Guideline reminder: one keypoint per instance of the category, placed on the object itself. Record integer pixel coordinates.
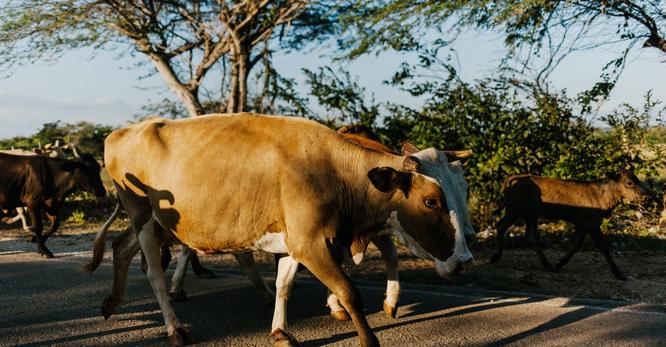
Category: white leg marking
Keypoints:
(390, 256)
(151, 249)
(358, 258)
(392, 293)
(178, 278)
(287, 267)
(333, 303)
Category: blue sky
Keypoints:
(101, 88)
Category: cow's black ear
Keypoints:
(387, 179)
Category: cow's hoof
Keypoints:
(108, 309)
(33, 239)
(205, 274)
(180, 296)
(283, 339)
(390, 310)
(180, 337)
(340, 316)
(47, 254)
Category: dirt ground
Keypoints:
(586, 276)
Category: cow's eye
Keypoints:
(630, 184)
(430, 203)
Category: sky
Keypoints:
(100, 87)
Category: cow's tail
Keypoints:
(100, 240)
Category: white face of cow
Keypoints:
(434, 166)
(450, 177)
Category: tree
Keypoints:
(533, 29)
(182, 39)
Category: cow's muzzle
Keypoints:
(453, 267)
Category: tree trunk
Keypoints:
(237, 99)
(656, 42)
(189, 97)
(242, 82)
(232, 98)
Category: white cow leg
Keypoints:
(390, 256)
(149, 241)
(21, 214)
(286, 273)
(246, 261)
(177, 293)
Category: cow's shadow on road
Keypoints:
(419, 311)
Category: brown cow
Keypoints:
(305, 195)
(53, 152)
(582, 203)
(41, 184)
(357, 134)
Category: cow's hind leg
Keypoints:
(579, 237)
(320, 262)
(149, 241)
(125, 246)
(246, 261)
(604, 248)
(532, 233)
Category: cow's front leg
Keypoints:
(246, 261)
(532, 234)
(286, 272)
(318, 259)
(149, 241)
(37, 228)
(390, 256)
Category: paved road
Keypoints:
(50, 302)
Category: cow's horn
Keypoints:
(408, 148)
(458, 155)
(76, 153)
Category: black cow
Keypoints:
(41, 184)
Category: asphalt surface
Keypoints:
(51, 302)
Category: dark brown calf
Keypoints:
(584, 204)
